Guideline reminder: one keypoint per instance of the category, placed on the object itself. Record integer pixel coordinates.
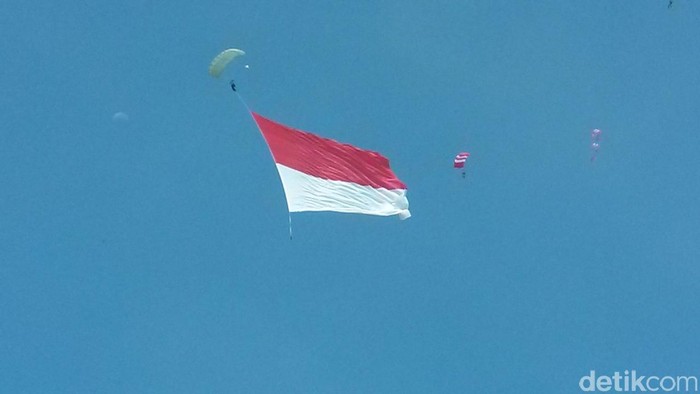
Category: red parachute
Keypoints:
(461, 161)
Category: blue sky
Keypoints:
(152, 255)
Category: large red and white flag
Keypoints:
(320, 174)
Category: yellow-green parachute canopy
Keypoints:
(221, 60)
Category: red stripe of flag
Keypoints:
(325, 158)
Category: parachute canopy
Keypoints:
(460, 159)
(221, 60)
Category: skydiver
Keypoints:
(670, 3)
(233, 85)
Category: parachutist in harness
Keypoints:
(233, 85)
(670, 3)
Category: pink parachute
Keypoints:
(596, 135)
(461, 161)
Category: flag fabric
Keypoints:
(460, 159)
(320, 174)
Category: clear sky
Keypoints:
(150, 254)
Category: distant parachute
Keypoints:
(120, 117)
(221, 60)
(596, 135)
(461, 161)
